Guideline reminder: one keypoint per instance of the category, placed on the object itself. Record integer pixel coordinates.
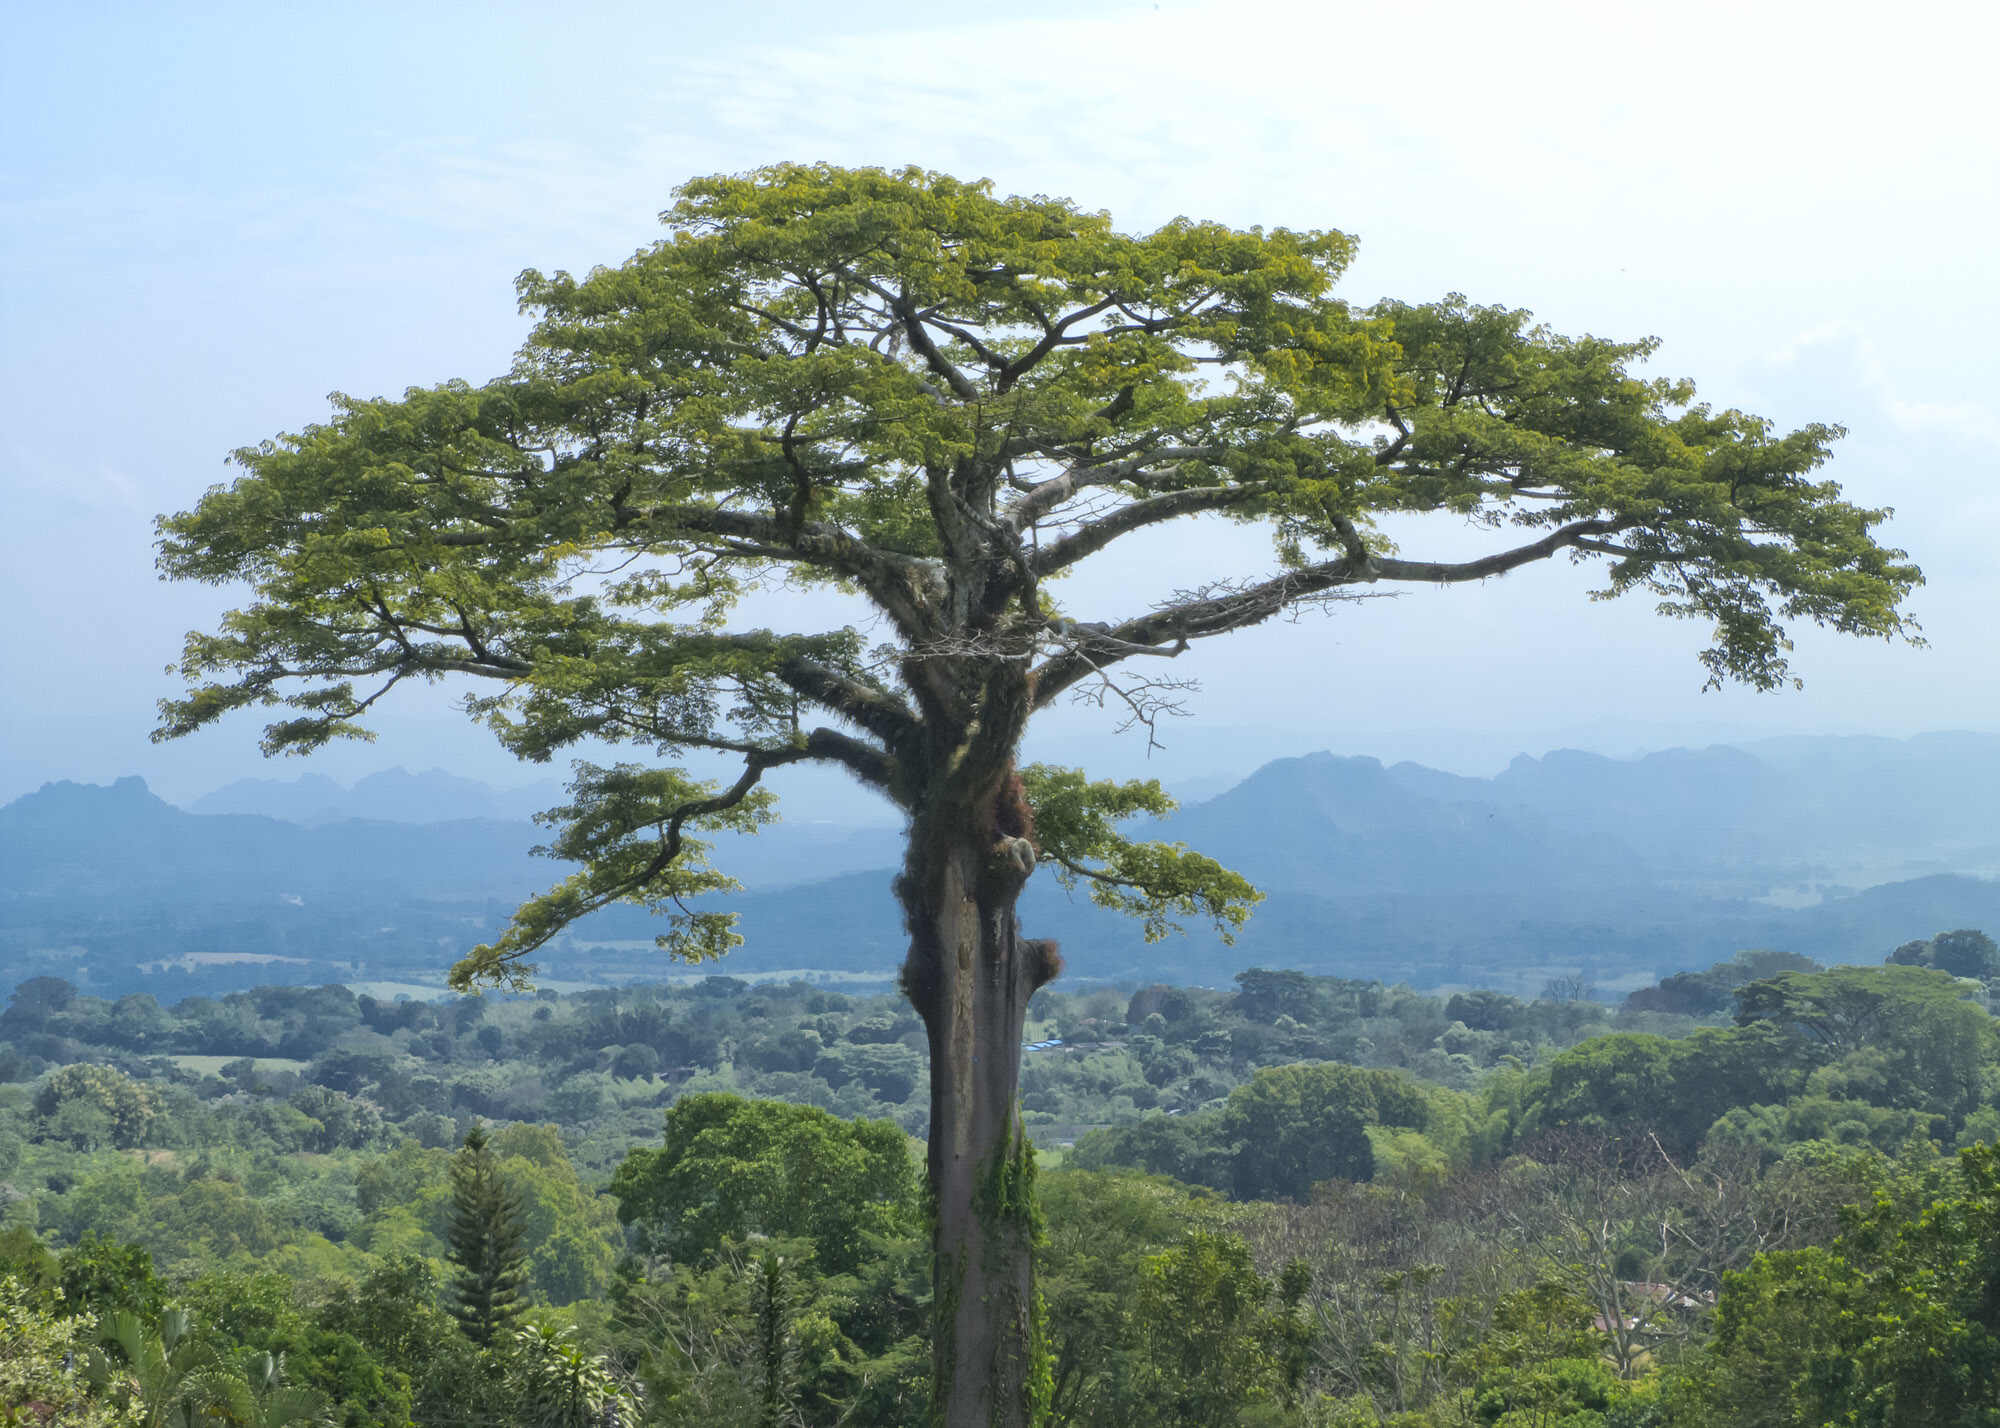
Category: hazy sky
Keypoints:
(212, 215)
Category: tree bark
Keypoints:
(970, 974)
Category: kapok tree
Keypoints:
(900, 387)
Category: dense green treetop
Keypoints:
(1966, 952)
(40, 1342)
(731, 1168)
(1896, 1323)
(94, 1105)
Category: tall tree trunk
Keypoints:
(971, 974)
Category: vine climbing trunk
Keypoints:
(970, 974)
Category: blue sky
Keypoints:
(211, 216)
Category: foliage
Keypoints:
(1930, 1043)
(1966, 952)
(743, 1337)
(1649, 1086)
(1541, 1364)
(394, 1315)
(1708, 992)
(555, 1384)
(1076, 825)
(40, 1344)
(486, 1243)
(1208, 1341)
(107, 1276)
(1892, 1324)
(1581, 1165)
(164, 1374)
(1102, 1228)
(731, 1169)
(92, 1106)
(569, 1231)
(1282, 1132)
(266, 1400)
(777, 381)
(1293, 1126)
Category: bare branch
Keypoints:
(1403, 434)
(1055, 334)
(1147, 700)
(920, 339)
(1500, 562)
(993, 360)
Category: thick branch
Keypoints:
(752, 775)
(1045, 496)
(1251, 605)
(1500, 562)
(901, 585)
(873, 709)
(994, 362)
(941, 366)
(860, 758)
(1053, 336)
(1147, 511)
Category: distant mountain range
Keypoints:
(1625, 869)
(392, 796)
(1798, 809)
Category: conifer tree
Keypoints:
(486, 1235)
(775, 1349)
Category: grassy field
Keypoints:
(390, 991)
(211, 1065)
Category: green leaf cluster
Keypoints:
(730, 1169)
(1076, 823)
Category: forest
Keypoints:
(1766, 1193)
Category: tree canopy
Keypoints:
(730, 1169)
(900, 384)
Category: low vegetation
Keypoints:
(1762, 1194)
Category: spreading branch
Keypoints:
(1238, 608)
